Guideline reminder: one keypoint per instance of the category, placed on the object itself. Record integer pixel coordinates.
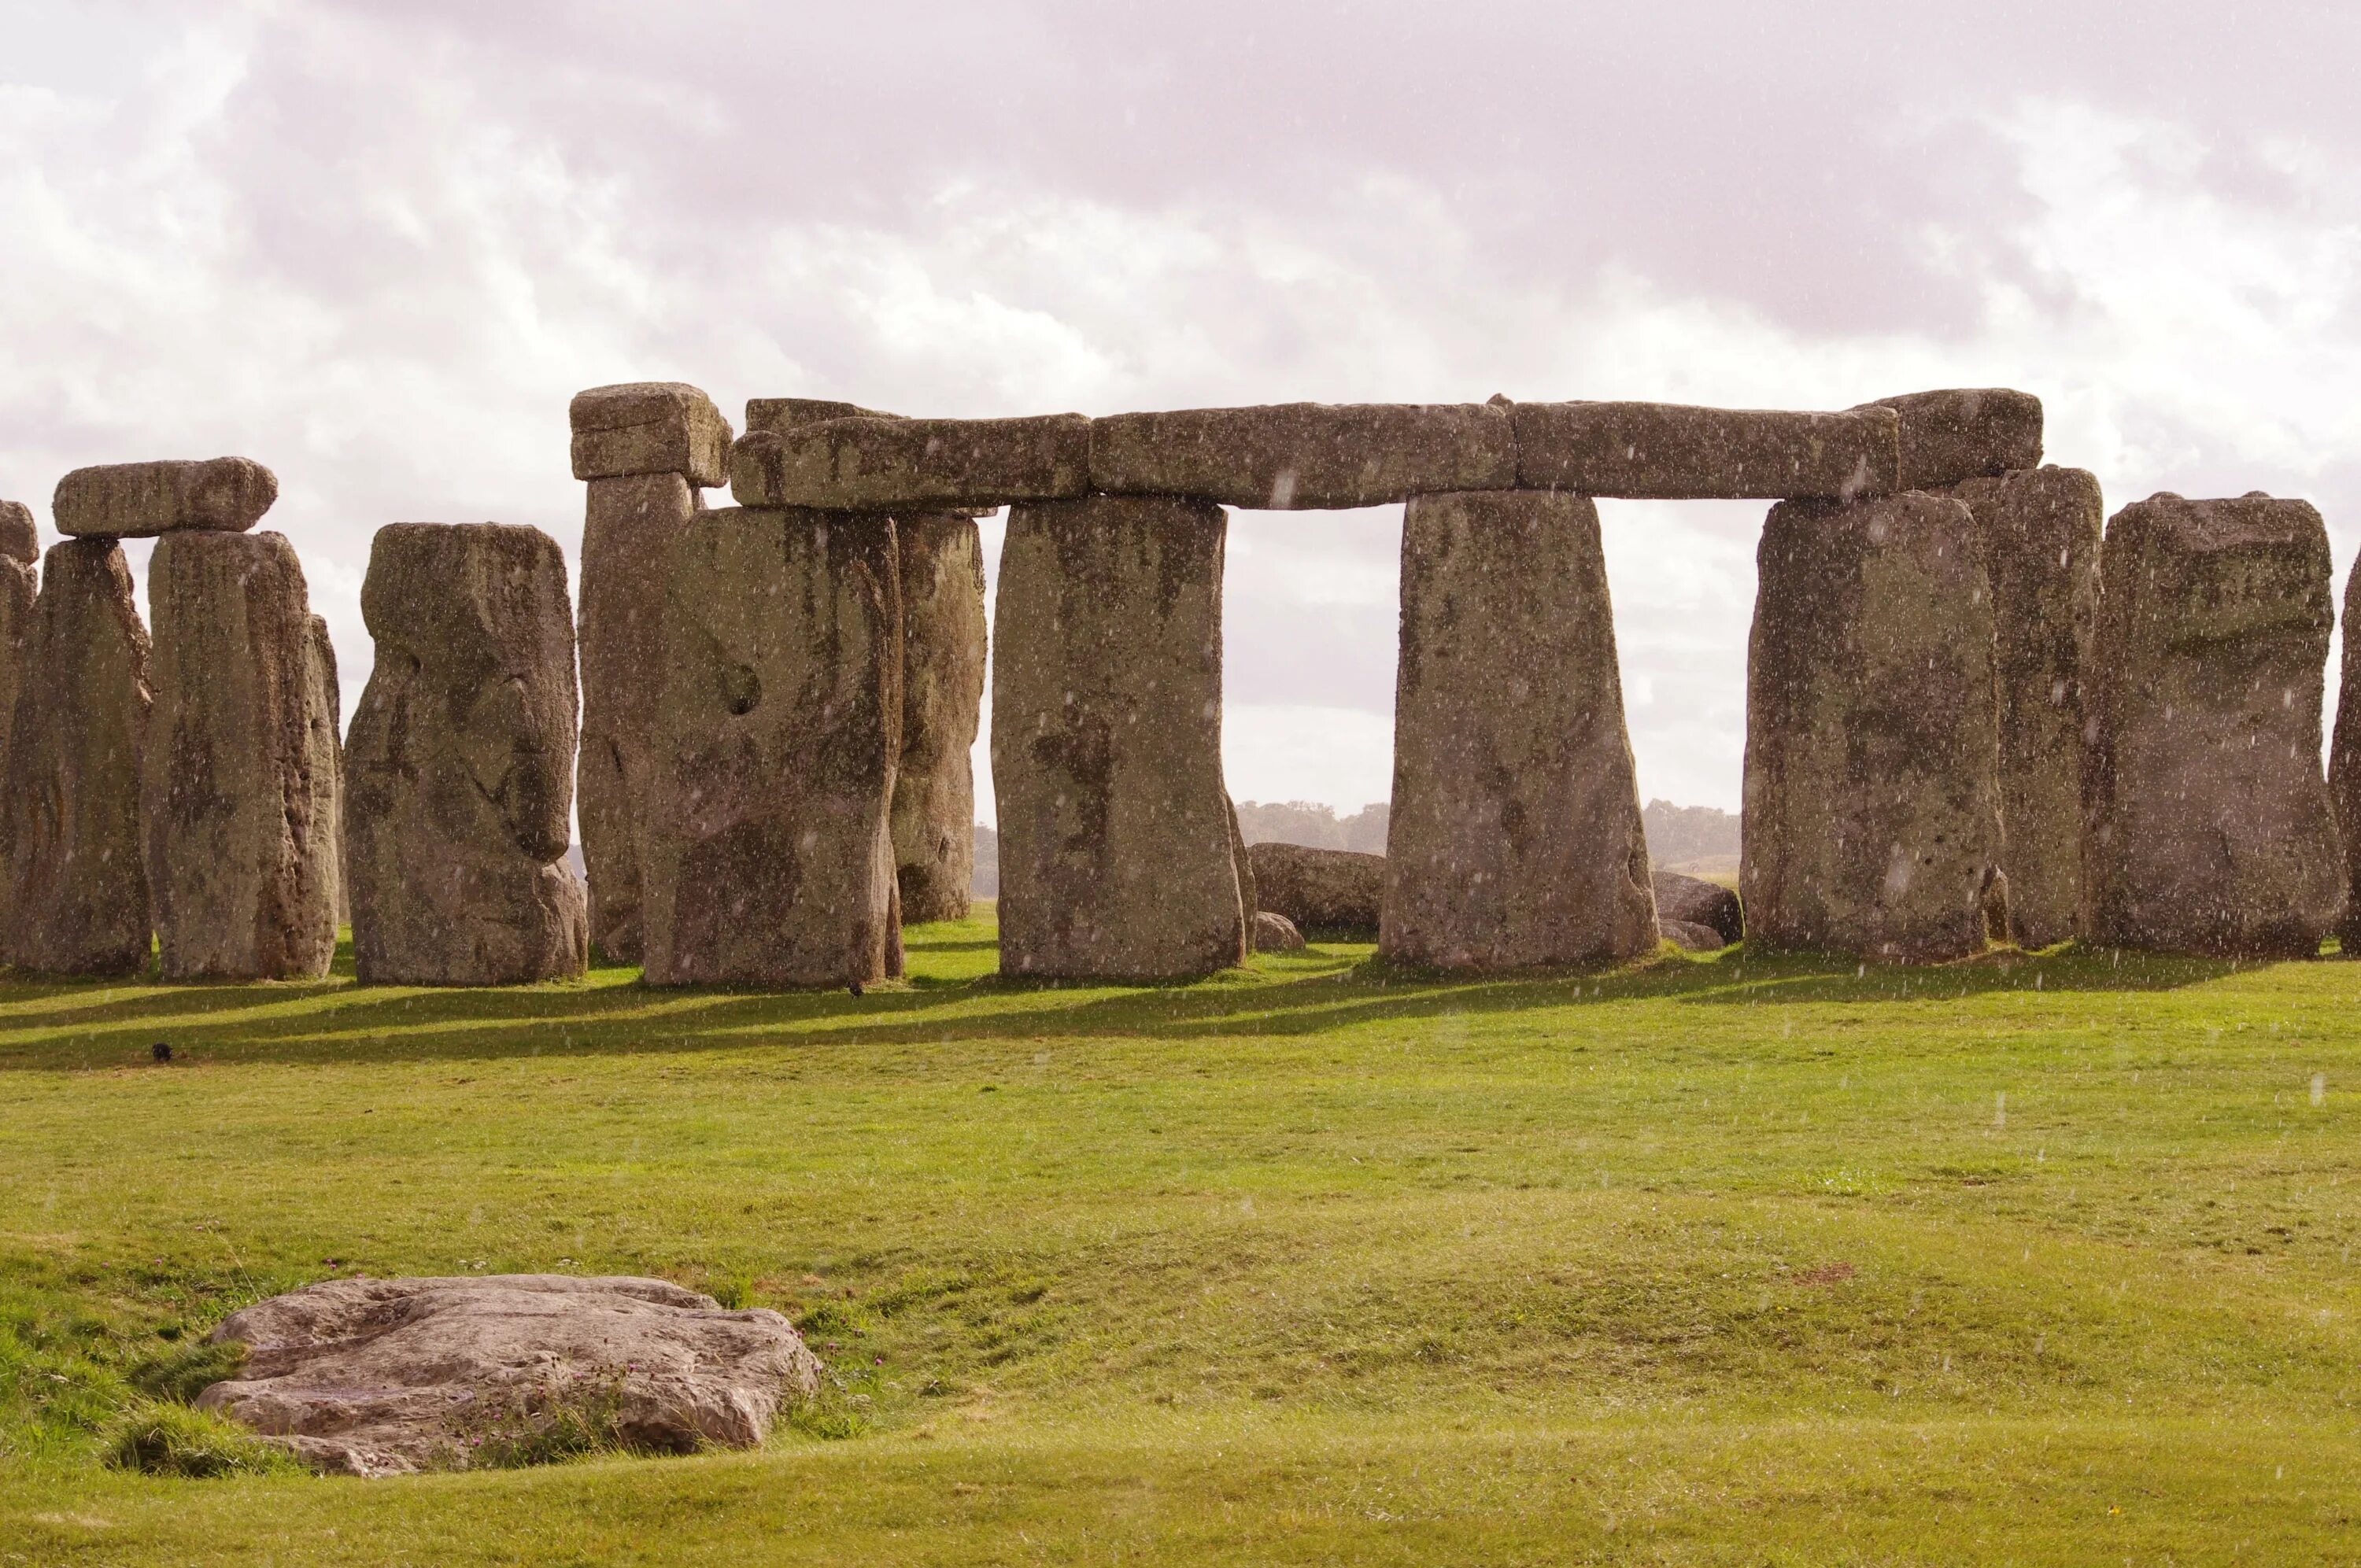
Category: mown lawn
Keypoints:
(2033, 1260)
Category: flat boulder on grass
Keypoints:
(1697, 902)
(1320, 890)
(1690, 937)
(1276, 933)
(386, 1377)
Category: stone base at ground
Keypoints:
(1337, 892)
(943, 652)
(1871, 822)
(1115, 847)
(385, 1377)
(2209, 828)
(1275, 933)
(1515, 836)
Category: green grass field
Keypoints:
(2030, 1261)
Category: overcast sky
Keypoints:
(379, 245)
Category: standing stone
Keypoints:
(1116, 851)
(645, 448)
(323, 728)
(1515, 839)
(459, 769)
(228, 801)
(76, 890)
(942, 694)
(2209, 828)
(2040, 529)
(20, 578)
(2345, 770)
(1871, 822)
(770, 857)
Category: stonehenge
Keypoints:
(240, 832)
(1871, 823)
(459, 764)
(2209, 828)
(1976, 710)
(1118, 856)
(770, 860)
(1515, 838)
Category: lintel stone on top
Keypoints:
(1671, 452)
(1293, 456)
(650, 427)
(141, 500)
(1965, 432)
(883, 464)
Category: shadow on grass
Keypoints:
(58, 1026)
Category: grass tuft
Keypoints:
(173, 1439)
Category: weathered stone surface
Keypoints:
(385, 1377)
(323, 728)
(2343, 769)
(1668, 452)
(1871, 817)
(227, 802)
(1700, 903)
(769, 854)
(913, 465)
(1515, 837)
(1275, 933)
(1965, 432)
(943, 654)
(76, 894)
(1116, 851)
(2040, 529)
(650, 427)
(20, 537)
(459, 766)
(2209, 828)
(777, 416)
(137, 500)
(628, 533)
(1336, 892)
(1691, 936)
(1291, 457)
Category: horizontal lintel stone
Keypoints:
(900, 465)
(1670, 452)
(650, 427)
(140, 500)
(1293, 456)
(1965, 432)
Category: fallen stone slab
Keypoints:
(1698, 902)
(1116, 859)
(76, 888)
(650, 427)
(1276, 933)
(1335, 892)
(387, 1376)
(2209, 828)
(1691, 936)
(138, 500)
(1515, 838)
(1670, 452)
(1871, 813)
(943, 655)
(769, 856)
(240, 861)
(2041, 528)
(459, 764)
(913, 465)
(1964, 434)
(2343, 769)
(1293, 456)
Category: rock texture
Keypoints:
(1275, 933)
(20, 580)
(385, 1377)
(459, 766)
(1668, 452)
(629, 531)
(1964, 434)
(1333, 892)
(1698, 902)
(2209, 827)
(943, 652)
(2040, 529)
(2345, 770)
(20, 537)
(1515, 836)
(1115, 848)
(649, 427)
(1871, 817)
(76, 889)
(770, 860)
(1693, 938)
(913, 465)
(132, 501)
(1294, 456)
(324, 726)
(240, 861)
(777, 416)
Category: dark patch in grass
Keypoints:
(180, 1375)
